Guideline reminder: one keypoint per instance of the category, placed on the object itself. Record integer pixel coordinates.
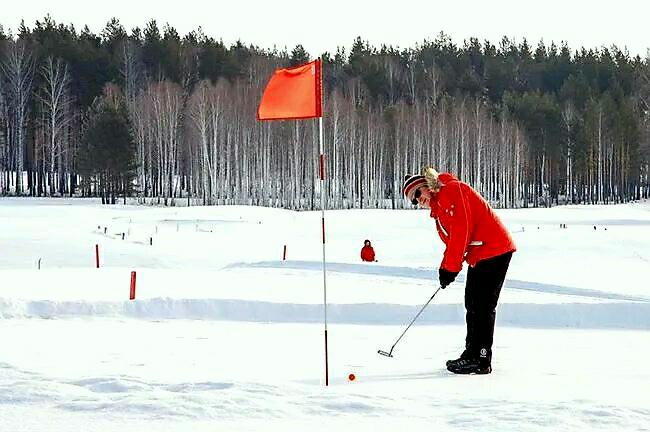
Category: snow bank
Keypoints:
(628, 315)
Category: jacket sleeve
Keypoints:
(455, 218)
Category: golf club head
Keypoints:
(384, 353)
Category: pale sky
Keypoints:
(322, 26)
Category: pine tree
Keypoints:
(107, 154)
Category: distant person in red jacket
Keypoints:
(472, 232)
(367, 252)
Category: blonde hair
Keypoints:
(431, 176)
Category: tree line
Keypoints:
(149, 113)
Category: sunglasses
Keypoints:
(416, 195)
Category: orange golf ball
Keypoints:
(351, 377)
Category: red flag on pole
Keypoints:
(293, 93)
(296, 93)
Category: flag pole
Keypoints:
(322, 209)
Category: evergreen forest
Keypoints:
(152, 115)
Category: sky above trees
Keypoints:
(402, 23)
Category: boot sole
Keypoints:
(471, 372)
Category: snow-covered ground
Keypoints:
(225, 335)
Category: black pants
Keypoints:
(484, 282)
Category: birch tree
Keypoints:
(17, 68)
(4, 147)
(55, 97)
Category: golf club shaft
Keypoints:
(413, 320)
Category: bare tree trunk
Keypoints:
(600, 156)
(56, 101)
(17, 68)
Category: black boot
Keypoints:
(470, 366)
(465, 355)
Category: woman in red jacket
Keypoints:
(472, 232)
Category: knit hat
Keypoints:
(411, 184)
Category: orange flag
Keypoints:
(293, 93)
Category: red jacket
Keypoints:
(467, 225)
(367, 253)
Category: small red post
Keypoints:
(97, 255)
(132, 293)
(284, 254)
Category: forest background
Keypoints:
(165, 118)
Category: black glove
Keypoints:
(446, 277)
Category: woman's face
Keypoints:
(424, 196)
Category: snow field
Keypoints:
(225, 335)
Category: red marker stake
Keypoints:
(132, 293)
